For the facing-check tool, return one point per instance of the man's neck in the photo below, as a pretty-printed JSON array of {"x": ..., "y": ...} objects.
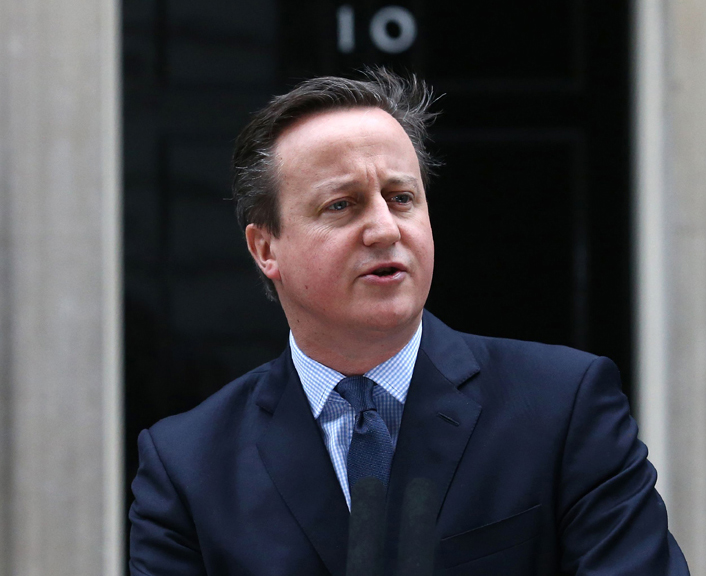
[{"x": 354, "y": 353}]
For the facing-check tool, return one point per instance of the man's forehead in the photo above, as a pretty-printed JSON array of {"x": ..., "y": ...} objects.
[
  {"x": 339, "y": 114},
  {"x": 334, "y": 142},
  {"x": 340, "y": 125}
]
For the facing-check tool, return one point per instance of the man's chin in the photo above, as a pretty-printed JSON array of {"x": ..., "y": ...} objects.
[{"x": 390, "y": 319}]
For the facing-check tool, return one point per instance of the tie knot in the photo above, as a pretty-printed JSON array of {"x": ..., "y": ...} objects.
[{"x": 358, "y": 391}]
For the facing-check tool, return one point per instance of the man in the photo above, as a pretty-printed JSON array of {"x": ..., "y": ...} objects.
[{"x": 531, "y": 447}]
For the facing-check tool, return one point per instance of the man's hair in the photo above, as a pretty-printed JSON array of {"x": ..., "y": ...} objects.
[{"x": 255, "y": 172}]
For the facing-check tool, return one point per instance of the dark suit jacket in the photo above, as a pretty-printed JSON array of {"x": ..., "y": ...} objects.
[{"x": 532, "y": 448}]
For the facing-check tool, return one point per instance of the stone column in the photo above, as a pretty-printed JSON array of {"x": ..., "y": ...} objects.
[
  {"x": 686, "y": 158},
  {"x": 60, "y": 393},
  {"x": 671, "y": 223}
]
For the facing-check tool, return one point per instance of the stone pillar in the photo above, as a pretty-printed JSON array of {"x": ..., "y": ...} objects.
[
  {"x": 671, "y": 223},
  {"x": 60, "y": 395},
  {"x": 686, "y": 157}
]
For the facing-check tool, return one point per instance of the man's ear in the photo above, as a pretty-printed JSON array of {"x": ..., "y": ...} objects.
[{"x": 259, "y": 242}]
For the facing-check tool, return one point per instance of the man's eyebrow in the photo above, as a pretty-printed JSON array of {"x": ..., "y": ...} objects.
[
  {"x": 403, "y": 180},
  {"x": 337, "y": 183},
  {"x": 345, "y": 183}
]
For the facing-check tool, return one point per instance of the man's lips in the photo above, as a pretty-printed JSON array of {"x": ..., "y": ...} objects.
[{"x": 385, "y": 269}]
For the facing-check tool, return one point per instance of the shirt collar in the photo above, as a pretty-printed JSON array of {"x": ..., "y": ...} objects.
[{"x": 393, "y": 375}]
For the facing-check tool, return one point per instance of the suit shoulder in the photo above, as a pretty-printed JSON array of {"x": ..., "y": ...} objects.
[
  {"x": 540, "y": 380},
  {"x": 211, "y": 414},
  {"x": 523, "y": 360},
  {"x": 526, "y": 350}
]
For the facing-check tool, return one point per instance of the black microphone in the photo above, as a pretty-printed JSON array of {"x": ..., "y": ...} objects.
[
  {"x": 417, "y": 543},
  {"x": 366, "y": 528}
]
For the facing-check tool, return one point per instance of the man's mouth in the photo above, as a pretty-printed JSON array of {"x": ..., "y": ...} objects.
[{"x": 386, "y": 271}]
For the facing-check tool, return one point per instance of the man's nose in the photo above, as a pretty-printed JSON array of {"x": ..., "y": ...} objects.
[{"x": 381, "y": 226}]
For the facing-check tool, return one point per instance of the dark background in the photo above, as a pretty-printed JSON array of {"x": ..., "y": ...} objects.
[{"x": 530, "y": 212}]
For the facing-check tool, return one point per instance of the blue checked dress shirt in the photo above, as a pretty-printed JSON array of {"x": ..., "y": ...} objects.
[{"x": 335, "y": 415}]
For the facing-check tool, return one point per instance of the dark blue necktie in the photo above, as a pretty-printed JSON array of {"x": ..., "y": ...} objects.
[{"x": 370, "y": 453}]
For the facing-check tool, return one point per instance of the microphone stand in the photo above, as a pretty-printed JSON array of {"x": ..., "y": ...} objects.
[{"x": 366, "y": 533}]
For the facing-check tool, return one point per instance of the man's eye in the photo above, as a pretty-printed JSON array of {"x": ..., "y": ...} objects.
[
  {"x": 338, "y": 205},
  {"x": 402, "y": 198}
]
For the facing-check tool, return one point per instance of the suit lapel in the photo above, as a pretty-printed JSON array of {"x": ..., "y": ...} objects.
[
  {"x": 438, "y": 419},
  {"x": 300, "y": 467}
]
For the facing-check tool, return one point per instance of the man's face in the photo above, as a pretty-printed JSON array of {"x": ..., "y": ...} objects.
[{"x": 355, "y": 251}]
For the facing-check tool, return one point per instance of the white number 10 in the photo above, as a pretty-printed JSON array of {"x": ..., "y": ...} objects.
[{"x": 378, "y": 29}]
